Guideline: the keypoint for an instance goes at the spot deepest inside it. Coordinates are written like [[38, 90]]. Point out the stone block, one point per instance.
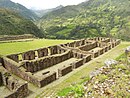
[[64, 70]]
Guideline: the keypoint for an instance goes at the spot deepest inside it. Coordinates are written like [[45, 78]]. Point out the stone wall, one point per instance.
[[64, 70], [48, 79], [43, 63], [42, 52], [1, 81], [39, 53], [101, 51], [21, 92], [36, 60], [16, 37], [30, 55], [18, 88], [12, 67], [78, 63], [14, 57], [87, 58], [78, 55], [88, 47]]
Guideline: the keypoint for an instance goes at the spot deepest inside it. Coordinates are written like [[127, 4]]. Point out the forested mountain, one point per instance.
[[41, 13], [23, 11], [13, 24], [109, 18]]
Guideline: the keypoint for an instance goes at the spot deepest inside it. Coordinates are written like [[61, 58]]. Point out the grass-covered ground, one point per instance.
[[111, 81], [62, 86], [15, 47]]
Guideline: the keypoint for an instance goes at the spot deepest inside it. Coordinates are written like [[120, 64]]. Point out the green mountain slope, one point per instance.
[[28, 14], [13, 24], [91, 18], [41, 13]]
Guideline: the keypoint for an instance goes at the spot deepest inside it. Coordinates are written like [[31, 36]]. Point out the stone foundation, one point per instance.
[[31, 65], [18, 88], [16, 37], [64, 70]]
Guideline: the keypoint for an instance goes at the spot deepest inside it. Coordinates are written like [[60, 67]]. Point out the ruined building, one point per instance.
[[45, 65]]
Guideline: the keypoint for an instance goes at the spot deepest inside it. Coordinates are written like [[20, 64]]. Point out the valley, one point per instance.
[[67, 51]]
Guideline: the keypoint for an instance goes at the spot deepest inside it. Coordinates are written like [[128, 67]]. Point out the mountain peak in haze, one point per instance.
[[43, 12]]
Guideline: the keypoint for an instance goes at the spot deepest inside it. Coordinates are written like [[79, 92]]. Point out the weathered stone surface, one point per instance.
[[35, 60], [18, 88], [78, 63], [89, 46], [42, 52], [30, 55], [14, 57], [16, 37], [64, 70], [50, 77], [1, 80]]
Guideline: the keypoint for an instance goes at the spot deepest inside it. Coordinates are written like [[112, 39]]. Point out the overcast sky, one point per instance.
[[46, 4]]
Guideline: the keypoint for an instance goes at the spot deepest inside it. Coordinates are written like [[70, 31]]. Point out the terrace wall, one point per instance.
[[88, 46], [64, 70], [43, 63], [16, 37]]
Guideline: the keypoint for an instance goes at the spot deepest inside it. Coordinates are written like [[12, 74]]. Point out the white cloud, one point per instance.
[[45, 4]]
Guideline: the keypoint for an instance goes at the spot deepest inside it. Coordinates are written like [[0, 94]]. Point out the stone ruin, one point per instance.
[[45, 65], [16, 37], [15, 87]]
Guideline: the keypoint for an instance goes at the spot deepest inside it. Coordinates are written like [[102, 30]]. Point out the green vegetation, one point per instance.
[[89, 19], [76, 88], [20, 9], [65, 91], [13, 24], [113, 83], [15, 47]]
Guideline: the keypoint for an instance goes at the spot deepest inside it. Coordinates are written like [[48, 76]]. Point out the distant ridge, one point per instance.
[[28, 14], [109, 18], [11, 23]]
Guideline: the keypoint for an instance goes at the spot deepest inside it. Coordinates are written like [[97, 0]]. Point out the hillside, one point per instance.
[[23, 11], [41, 13], [91, 18], [13, 24]]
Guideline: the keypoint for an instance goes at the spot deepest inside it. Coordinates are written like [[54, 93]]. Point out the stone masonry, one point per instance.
[[39, 66]]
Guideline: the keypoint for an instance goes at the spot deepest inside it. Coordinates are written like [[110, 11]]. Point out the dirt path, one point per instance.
[[76, 75]]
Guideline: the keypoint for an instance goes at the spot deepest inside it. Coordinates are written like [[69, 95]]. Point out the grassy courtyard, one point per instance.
[[15, 47]]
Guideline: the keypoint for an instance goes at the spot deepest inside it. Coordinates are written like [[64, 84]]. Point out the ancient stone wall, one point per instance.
[[14, 57], [48, 79], [87, 58], [64, 70], [78, 63], [18, 88], [43, 63], [30, 55], [16, 37], [1, 60], [1, 81], [12, 67], [21, 92], [42, 52], [88, 46], [36, 60]]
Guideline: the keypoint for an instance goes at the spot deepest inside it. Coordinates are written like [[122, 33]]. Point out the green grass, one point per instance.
[[117, 53], [16, 47], [85, 71], [65, 91]]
